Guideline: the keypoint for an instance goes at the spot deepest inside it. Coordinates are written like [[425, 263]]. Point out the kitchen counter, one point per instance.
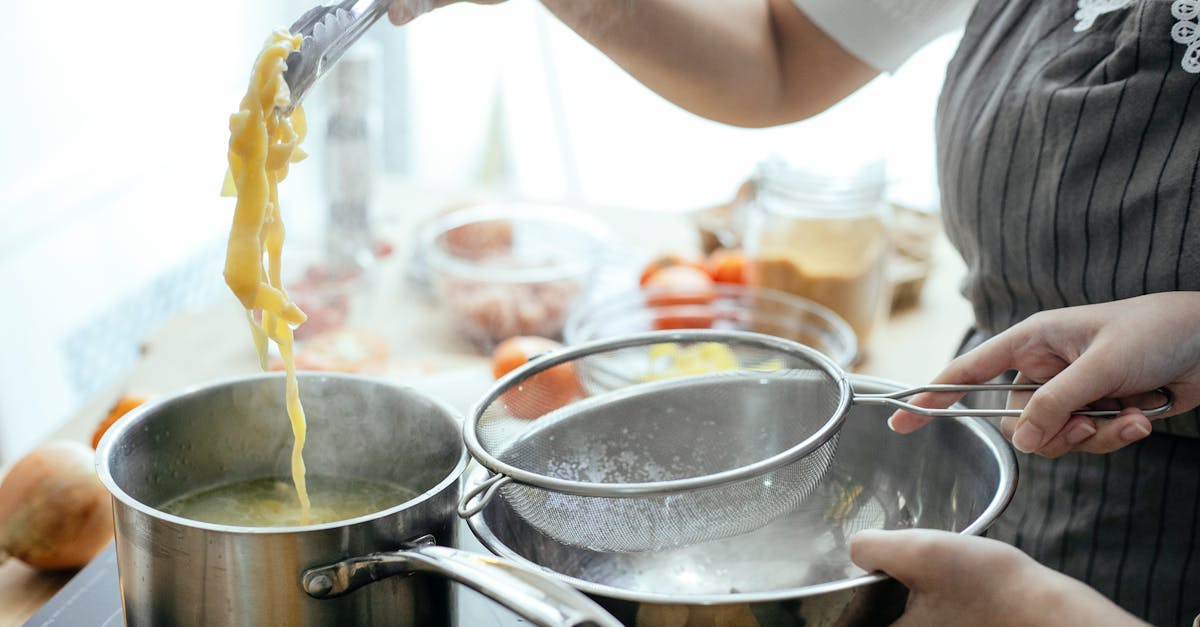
[[427, 352]]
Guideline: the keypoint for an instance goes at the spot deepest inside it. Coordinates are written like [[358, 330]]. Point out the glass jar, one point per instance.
[[824, 237]]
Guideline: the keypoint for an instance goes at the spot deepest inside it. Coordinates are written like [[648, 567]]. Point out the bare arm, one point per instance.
[[752, 63]]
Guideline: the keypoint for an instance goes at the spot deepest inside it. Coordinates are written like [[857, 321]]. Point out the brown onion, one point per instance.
[[54, 512]]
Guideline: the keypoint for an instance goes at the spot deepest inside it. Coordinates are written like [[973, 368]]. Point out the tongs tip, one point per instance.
[[327, 31]]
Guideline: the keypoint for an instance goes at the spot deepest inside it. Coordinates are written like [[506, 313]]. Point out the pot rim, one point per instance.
[[989, 435], [105, 450]]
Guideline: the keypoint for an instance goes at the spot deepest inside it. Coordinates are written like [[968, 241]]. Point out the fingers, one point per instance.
[[1115, 433], [906, 422], [984, 363], [918, 558], [1077, 430], [1082, 434], [401, 12], [988, 360], [1049, 408], [934, 560], [897, 553]]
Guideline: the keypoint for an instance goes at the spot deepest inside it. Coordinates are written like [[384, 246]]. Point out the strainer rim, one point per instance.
[[763, 466]]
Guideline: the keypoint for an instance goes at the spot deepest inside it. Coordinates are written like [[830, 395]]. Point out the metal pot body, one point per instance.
[[956, 474], [178, 571]]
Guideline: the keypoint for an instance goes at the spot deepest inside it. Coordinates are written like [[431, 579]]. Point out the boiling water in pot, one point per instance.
[[272, 501]]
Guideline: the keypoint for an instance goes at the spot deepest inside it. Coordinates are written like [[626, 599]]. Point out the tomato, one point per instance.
[[668, 260], [684, 320], [726, 265], [679, 285], [123, 406], [678, 296], [545, 391]]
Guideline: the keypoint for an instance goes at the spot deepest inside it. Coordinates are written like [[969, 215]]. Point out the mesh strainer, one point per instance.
[[662, 439]]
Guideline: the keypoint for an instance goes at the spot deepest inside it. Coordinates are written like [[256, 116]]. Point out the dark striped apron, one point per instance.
[[1069, 173]]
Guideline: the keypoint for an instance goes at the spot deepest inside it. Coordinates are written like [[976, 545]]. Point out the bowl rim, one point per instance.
[[640, 296], [439, 261]]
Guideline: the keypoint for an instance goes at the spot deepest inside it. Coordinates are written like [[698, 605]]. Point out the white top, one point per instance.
[[884, 33]]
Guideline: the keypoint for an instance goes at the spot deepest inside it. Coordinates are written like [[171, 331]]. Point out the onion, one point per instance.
[[54, 512]]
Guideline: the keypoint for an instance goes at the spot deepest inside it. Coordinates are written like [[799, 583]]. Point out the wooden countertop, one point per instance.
[[911, 347]]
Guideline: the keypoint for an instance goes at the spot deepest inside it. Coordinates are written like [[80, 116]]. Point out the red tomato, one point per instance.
[[120, 408], [665, 261], [727, 265], [679, 285], [668, 321], [545, 391], [678, 295]]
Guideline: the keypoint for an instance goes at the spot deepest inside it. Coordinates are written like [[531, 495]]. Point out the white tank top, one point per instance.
[[884, 33]]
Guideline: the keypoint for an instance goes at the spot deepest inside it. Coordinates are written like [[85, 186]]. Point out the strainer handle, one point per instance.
[[488, 489], [895, 399]]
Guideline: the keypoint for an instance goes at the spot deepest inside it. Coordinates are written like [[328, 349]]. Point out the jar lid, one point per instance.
[[846, 185]]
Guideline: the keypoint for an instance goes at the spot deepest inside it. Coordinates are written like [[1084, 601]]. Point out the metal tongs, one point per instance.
[[328, 31]]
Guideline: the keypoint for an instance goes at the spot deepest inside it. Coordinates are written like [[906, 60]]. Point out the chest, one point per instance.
[[1094, 80], [1068, 150]]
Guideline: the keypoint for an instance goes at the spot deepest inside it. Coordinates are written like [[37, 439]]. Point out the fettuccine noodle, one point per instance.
[[262, 144]]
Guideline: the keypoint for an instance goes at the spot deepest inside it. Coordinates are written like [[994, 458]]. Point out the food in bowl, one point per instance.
[[492, 309], [511, 269], [669, 360]]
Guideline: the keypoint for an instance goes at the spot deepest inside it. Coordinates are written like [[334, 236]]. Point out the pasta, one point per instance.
[[262, 144]]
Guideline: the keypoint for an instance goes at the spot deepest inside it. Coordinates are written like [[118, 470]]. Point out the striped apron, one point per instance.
[[1069, 172]]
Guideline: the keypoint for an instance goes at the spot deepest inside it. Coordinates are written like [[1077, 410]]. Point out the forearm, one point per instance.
[[751, 63]]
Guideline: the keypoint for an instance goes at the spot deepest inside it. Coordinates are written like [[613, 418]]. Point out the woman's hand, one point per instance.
[[405, 11], [966, 580], [1120, 350]]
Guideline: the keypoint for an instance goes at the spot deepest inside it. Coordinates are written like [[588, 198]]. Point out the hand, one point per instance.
[[404, 11], [1116, 350], [967, 580]]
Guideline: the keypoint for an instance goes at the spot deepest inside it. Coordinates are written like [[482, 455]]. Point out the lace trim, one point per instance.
[[1186, 30]]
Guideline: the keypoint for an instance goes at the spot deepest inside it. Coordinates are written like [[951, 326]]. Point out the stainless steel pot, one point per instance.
[[183, 572], [955, 474]]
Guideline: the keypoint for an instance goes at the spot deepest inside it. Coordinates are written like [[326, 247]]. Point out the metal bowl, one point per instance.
[[956, 474]]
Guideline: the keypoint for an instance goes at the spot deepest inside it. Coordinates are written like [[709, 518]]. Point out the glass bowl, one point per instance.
[[724, 306], [507, 269]]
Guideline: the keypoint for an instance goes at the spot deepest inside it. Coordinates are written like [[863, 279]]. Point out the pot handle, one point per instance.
[[534, 596]]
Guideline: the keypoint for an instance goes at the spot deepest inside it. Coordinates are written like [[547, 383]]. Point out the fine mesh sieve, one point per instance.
[[663, 439]]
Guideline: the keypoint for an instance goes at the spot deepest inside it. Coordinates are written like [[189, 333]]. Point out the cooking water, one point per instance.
[[272, 502], [807, 547]]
